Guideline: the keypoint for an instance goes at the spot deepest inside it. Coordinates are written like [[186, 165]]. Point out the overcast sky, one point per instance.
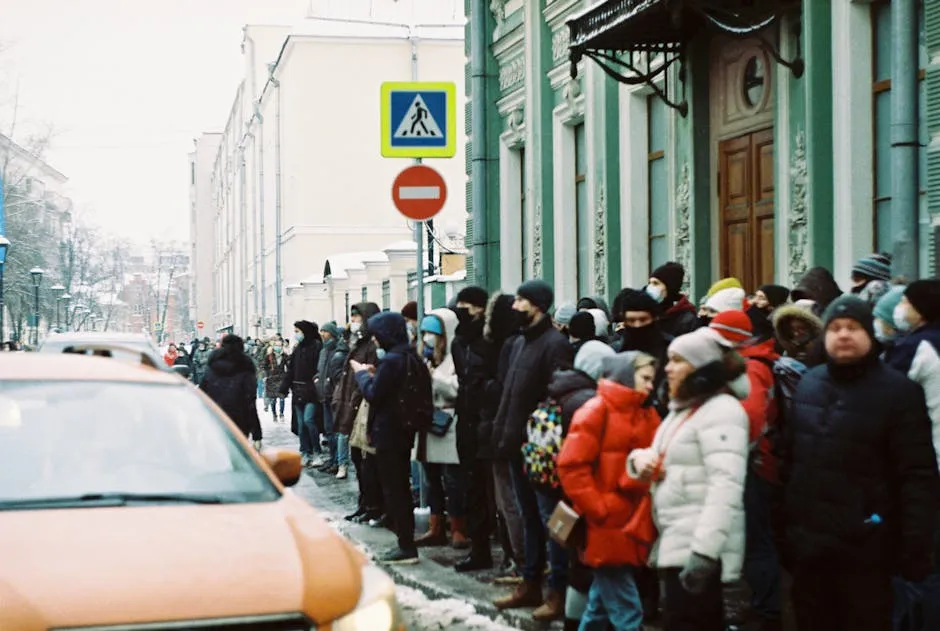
[[127, 85]]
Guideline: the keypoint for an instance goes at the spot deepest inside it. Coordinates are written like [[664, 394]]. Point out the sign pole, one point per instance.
[[419, 265]]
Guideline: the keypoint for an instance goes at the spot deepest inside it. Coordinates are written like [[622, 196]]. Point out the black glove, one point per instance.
[[737, 601], [696, 574]]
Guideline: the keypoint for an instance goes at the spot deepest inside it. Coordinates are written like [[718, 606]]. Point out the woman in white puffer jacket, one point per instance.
[[698, 463]]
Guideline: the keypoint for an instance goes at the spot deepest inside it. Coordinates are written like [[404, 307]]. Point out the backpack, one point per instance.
[[417, 404], [544, 434], [788, 372]]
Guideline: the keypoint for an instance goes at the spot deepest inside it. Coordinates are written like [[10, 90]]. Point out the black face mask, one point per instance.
[[521, 319], [463, 315], [704, 321], [640, 338]]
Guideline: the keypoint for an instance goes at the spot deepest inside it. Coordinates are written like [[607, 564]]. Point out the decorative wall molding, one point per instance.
[[798, 221], [572, 91], [560, 41], [512, 73], [514, 135], [498, 9], [684, 225], [600, 243], [537, 242]]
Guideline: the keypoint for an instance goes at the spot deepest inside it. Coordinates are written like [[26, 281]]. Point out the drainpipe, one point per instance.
[[478, 141], [254, 198], [905, 141], [262, 257], [277, 202]]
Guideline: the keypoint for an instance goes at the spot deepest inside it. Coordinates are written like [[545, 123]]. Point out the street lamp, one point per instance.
[[36, 273], [66, 297], [58, 289], [4, 246]]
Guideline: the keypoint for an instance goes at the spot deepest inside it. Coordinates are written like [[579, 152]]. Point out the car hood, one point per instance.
[[99, 566]]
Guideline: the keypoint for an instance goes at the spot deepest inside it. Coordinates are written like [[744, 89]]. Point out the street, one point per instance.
[[432, 595]]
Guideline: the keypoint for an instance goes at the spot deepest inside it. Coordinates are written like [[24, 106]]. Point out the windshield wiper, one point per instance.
[[110, 499]]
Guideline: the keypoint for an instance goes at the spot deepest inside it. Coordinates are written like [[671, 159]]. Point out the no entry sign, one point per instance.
[[419, 192]]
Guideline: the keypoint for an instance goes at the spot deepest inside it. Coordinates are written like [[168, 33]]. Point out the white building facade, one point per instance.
[[201, 227], [298, 177]]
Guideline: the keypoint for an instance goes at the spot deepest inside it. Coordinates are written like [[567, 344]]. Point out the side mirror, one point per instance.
[[285, 463], [182, 370]]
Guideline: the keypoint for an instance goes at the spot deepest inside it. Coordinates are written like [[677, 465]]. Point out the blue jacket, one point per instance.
[[386, 429]]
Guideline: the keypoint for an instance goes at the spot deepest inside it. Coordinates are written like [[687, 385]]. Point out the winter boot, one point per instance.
[[480, 558], [526, 594], [458, 533], [553, 609], [435, 536]]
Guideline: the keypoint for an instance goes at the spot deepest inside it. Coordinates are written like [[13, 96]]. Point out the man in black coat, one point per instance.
[[475, 362], [299, 380], [860, 479], [230, 382], [536, 355], [330, 335]]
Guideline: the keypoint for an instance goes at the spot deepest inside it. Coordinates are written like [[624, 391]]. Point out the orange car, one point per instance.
[[129, 501]]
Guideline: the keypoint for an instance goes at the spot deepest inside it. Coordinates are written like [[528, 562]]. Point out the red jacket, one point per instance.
[[592, 469], [760, 405]]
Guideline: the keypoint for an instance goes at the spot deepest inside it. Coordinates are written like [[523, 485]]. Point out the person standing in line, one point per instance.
[[329, 335], [301, 371], [230, 382]]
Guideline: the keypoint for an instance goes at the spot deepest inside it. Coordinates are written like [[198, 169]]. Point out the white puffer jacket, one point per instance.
[[699, 504], [444, 386]]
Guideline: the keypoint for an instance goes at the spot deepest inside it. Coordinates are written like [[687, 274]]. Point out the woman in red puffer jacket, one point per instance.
[[592, 469]]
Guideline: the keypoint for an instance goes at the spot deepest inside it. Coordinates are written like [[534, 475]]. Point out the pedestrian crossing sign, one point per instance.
[[419, 120]]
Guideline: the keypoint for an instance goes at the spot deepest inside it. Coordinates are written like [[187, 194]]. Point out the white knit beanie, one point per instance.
[[700, 347], [590, 358], [731, 299]]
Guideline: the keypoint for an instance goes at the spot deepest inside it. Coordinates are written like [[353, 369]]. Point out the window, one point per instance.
[[881, 118], [365, 295], [192, 173], [583, 214], [522, 216], [657, 182], [386, 295]]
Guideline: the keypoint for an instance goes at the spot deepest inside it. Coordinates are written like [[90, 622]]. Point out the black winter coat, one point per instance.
[[535, 356], [857, 445], [324, 386], [475, 363], [231, 382], [302, 370], [492, 395]]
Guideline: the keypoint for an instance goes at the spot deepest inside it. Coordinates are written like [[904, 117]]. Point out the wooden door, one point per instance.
[[746, 197]]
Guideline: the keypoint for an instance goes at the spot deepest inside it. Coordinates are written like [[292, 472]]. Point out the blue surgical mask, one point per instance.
[[380, 352], [900, 319], [656, 293], [299, 337], [428, 352]]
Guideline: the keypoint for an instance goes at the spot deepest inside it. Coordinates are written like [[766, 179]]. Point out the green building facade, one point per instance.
[[753, 138]]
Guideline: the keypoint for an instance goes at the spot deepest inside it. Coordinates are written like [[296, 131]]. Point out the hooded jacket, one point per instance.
[[302, 367], [591, 467], [230, 381], [808, 349], [819, 286], [500, 333], [347, 397], [323, 383], [698, 506], [571, 389], [386, 429], [444, 390], [475, 363]]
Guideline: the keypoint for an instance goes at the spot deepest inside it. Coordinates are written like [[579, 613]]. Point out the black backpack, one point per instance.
[[417, 405]]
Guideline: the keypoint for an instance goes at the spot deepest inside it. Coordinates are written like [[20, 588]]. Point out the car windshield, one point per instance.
[[86, 440]]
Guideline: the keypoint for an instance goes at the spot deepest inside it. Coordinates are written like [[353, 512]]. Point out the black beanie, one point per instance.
[[539, 293], [473, 295], [776, 294], [671, 274], [924, 295], [636, 300], [582, 326], [853, 308]]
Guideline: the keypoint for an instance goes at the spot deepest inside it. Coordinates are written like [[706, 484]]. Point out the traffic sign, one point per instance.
[[157, 326], [419, 120], [419, 192], [200, 325]]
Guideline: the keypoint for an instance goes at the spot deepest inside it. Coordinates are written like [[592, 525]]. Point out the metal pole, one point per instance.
[[419, 225], [58, 313], [478, 151], [262, 257], [277, 196], [905, 143], [2, 306], [36, 314]]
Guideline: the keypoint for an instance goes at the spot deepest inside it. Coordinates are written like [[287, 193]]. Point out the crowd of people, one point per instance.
[[647, 459]]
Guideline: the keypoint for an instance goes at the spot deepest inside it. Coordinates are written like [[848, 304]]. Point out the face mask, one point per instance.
[[463, 315], [278, 350], [900, 319], [355, 327], [380, 353], [428, 352], [704, 321], [656, 293], [881, 334], [430, 340], [521, 319], [299, 337]]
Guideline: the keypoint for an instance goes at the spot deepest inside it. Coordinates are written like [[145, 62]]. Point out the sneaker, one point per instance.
[[354, 516], [318, 461], [509, 575], [379, 522], [397, 556], [341, 472]]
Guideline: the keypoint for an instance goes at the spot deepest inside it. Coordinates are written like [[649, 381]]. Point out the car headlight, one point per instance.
[[377, 609]]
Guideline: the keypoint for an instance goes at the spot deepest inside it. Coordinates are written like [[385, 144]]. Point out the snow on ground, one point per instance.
[[444, 613]]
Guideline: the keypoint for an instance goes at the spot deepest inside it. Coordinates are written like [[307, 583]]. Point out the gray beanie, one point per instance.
[[700, 347], [564, 313], [590, 359]]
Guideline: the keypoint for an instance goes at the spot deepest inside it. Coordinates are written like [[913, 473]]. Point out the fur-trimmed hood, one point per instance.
[[499, 318], [783, 318], [726, 375]]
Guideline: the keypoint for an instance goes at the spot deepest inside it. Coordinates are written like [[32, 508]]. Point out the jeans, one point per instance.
[[480, 504], [260, 388], [451, 476], [327, 414], [761, 565], [507, 508], [393, 468], [270, 403], [537, 507], [613, 599], [307, 426]]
